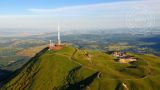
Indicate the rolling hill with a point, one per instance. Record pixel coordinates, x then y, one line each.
74 69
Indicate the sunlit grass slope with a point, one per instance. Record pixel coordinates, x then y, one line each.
49 71
75 69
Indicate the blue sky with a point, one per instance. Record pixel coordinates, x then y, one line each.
19 6
79 14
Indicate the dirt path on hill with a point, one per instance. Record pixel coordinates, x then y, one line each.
125 86
73 59
68 58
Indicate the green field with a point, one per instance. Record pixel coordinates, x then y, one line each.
75 69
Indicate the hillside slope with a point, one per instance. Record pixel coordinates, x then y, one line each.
74 69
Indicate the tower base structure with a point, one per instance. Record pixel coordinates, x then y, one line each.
55 47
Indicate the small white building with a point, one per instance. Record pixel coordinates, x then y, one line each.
123 57
124 60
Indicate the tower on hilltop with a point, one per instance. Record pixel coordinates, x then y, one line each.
58 45
59 37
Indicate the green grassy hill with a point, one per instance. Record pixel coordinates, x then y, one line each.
74 69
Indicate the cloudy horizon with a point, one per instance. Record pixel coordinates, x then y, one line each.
107 14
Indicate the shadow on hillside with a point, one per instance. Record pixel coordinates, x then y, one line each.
4 74
32 61
82 84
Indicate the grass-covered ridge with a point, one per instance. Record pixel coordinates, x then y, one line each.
74 69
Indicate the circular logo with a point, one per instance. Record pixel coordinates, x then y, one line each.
140 18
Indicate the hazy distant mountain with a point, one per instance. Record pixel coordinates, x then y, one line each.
29 32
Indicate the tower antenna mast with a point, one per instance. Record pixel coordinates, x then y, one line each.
59 38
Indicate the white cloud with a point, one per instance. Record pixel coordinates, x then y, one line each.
107 15
103 15
114 6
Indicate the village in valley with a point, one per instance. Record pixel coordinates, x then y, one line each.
122 57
